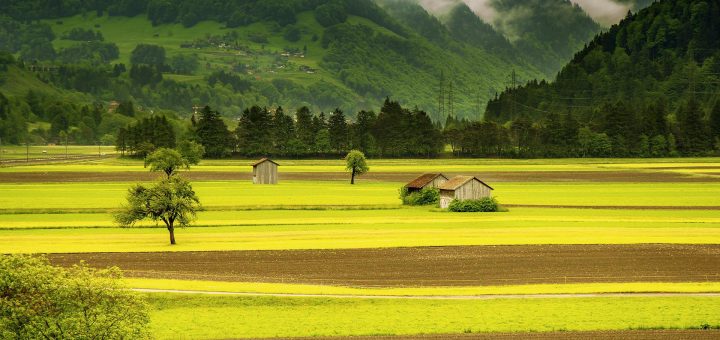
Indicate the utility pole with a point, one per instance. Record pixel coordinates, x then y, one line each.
512 97
451 109
1 153
441 97
478 105
27 151
66 146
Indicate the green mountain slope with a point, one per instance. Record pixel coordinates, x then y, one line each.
321 54
654 76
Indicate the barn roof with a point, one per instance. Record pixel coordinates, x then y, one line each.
459 181
423 180
265 159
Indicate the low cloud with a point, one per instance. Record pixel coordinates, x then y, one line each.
605 12
483 8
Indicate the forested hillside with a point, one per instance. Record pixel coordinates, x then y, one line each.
93 71
321 54
649 86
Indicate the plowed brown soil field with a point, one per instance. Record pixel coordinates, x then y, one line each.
427 266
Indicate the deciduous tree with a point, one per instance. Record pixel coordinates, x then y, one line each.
172 201
356 164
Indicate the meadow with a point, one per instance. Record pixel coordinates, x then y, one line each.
317 209
190 316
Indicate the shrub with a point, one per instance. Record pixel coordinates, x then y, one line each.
426 196
40 301
486 204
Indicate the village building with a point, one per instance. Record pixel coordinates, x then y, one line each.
463 188
265 171
426 181
113 106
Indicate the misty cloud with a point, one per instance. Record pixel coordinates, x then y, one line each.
605 12
483 8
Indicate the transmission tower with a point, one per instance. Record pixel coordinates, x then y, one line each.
441 97
451 99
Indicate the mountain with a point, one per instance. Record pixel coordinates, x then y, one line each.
652 77
173 55
230 55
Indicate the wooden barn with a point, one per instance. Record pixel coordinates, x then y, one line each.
463 188
426 181
265 171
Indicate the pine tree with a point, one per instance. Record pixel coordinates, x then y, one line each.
338 130
213 134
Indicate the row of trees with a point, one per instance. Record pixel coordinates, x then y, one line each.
616 130
394 132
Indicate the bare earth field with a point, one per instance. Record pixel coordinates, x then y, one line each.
427 266
489 176
603 335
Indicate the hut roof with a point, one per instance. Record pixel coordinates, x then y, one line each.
459 181
423 180
265 159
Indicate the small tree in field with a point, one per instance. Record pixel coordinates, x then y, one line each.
191 151
172 201
356 163
40 301
167 161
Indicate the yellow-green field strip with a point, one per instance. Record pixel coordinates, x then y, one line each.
110 195
259 288
205 316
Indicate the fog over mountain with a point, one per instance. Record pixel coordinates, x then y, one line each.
605 12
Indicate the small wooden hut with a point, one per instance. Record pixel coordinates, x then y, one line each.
426 181
463 188
265 171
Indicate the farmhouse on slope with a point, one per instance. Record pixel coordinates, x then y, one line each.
426 181
265 171
463 188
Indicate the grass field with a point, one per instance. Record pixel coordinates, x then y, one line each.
38 152
285 288
308 213
235 194
188 316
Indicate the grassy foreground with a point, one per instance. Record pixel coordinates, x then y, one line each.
284 288
194 316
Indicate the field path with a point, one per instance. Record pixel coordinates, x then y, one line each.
433 297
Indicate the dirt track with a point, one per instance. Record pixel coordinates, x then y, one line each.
427 266
665 334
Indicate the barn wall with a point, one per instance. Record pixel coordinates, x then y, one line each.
472 190
446 196
265 173
439 180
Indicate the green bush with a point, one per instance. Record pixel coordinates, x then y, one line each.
426 196
486 204
41 301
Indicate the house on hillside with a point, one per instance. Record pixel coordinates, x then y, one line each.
463 188
265 171
426 181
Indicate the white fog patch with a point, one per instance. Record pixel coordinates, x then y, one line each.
605 12
482 8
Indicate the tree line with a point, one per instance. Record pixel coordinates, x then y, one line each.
393 132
